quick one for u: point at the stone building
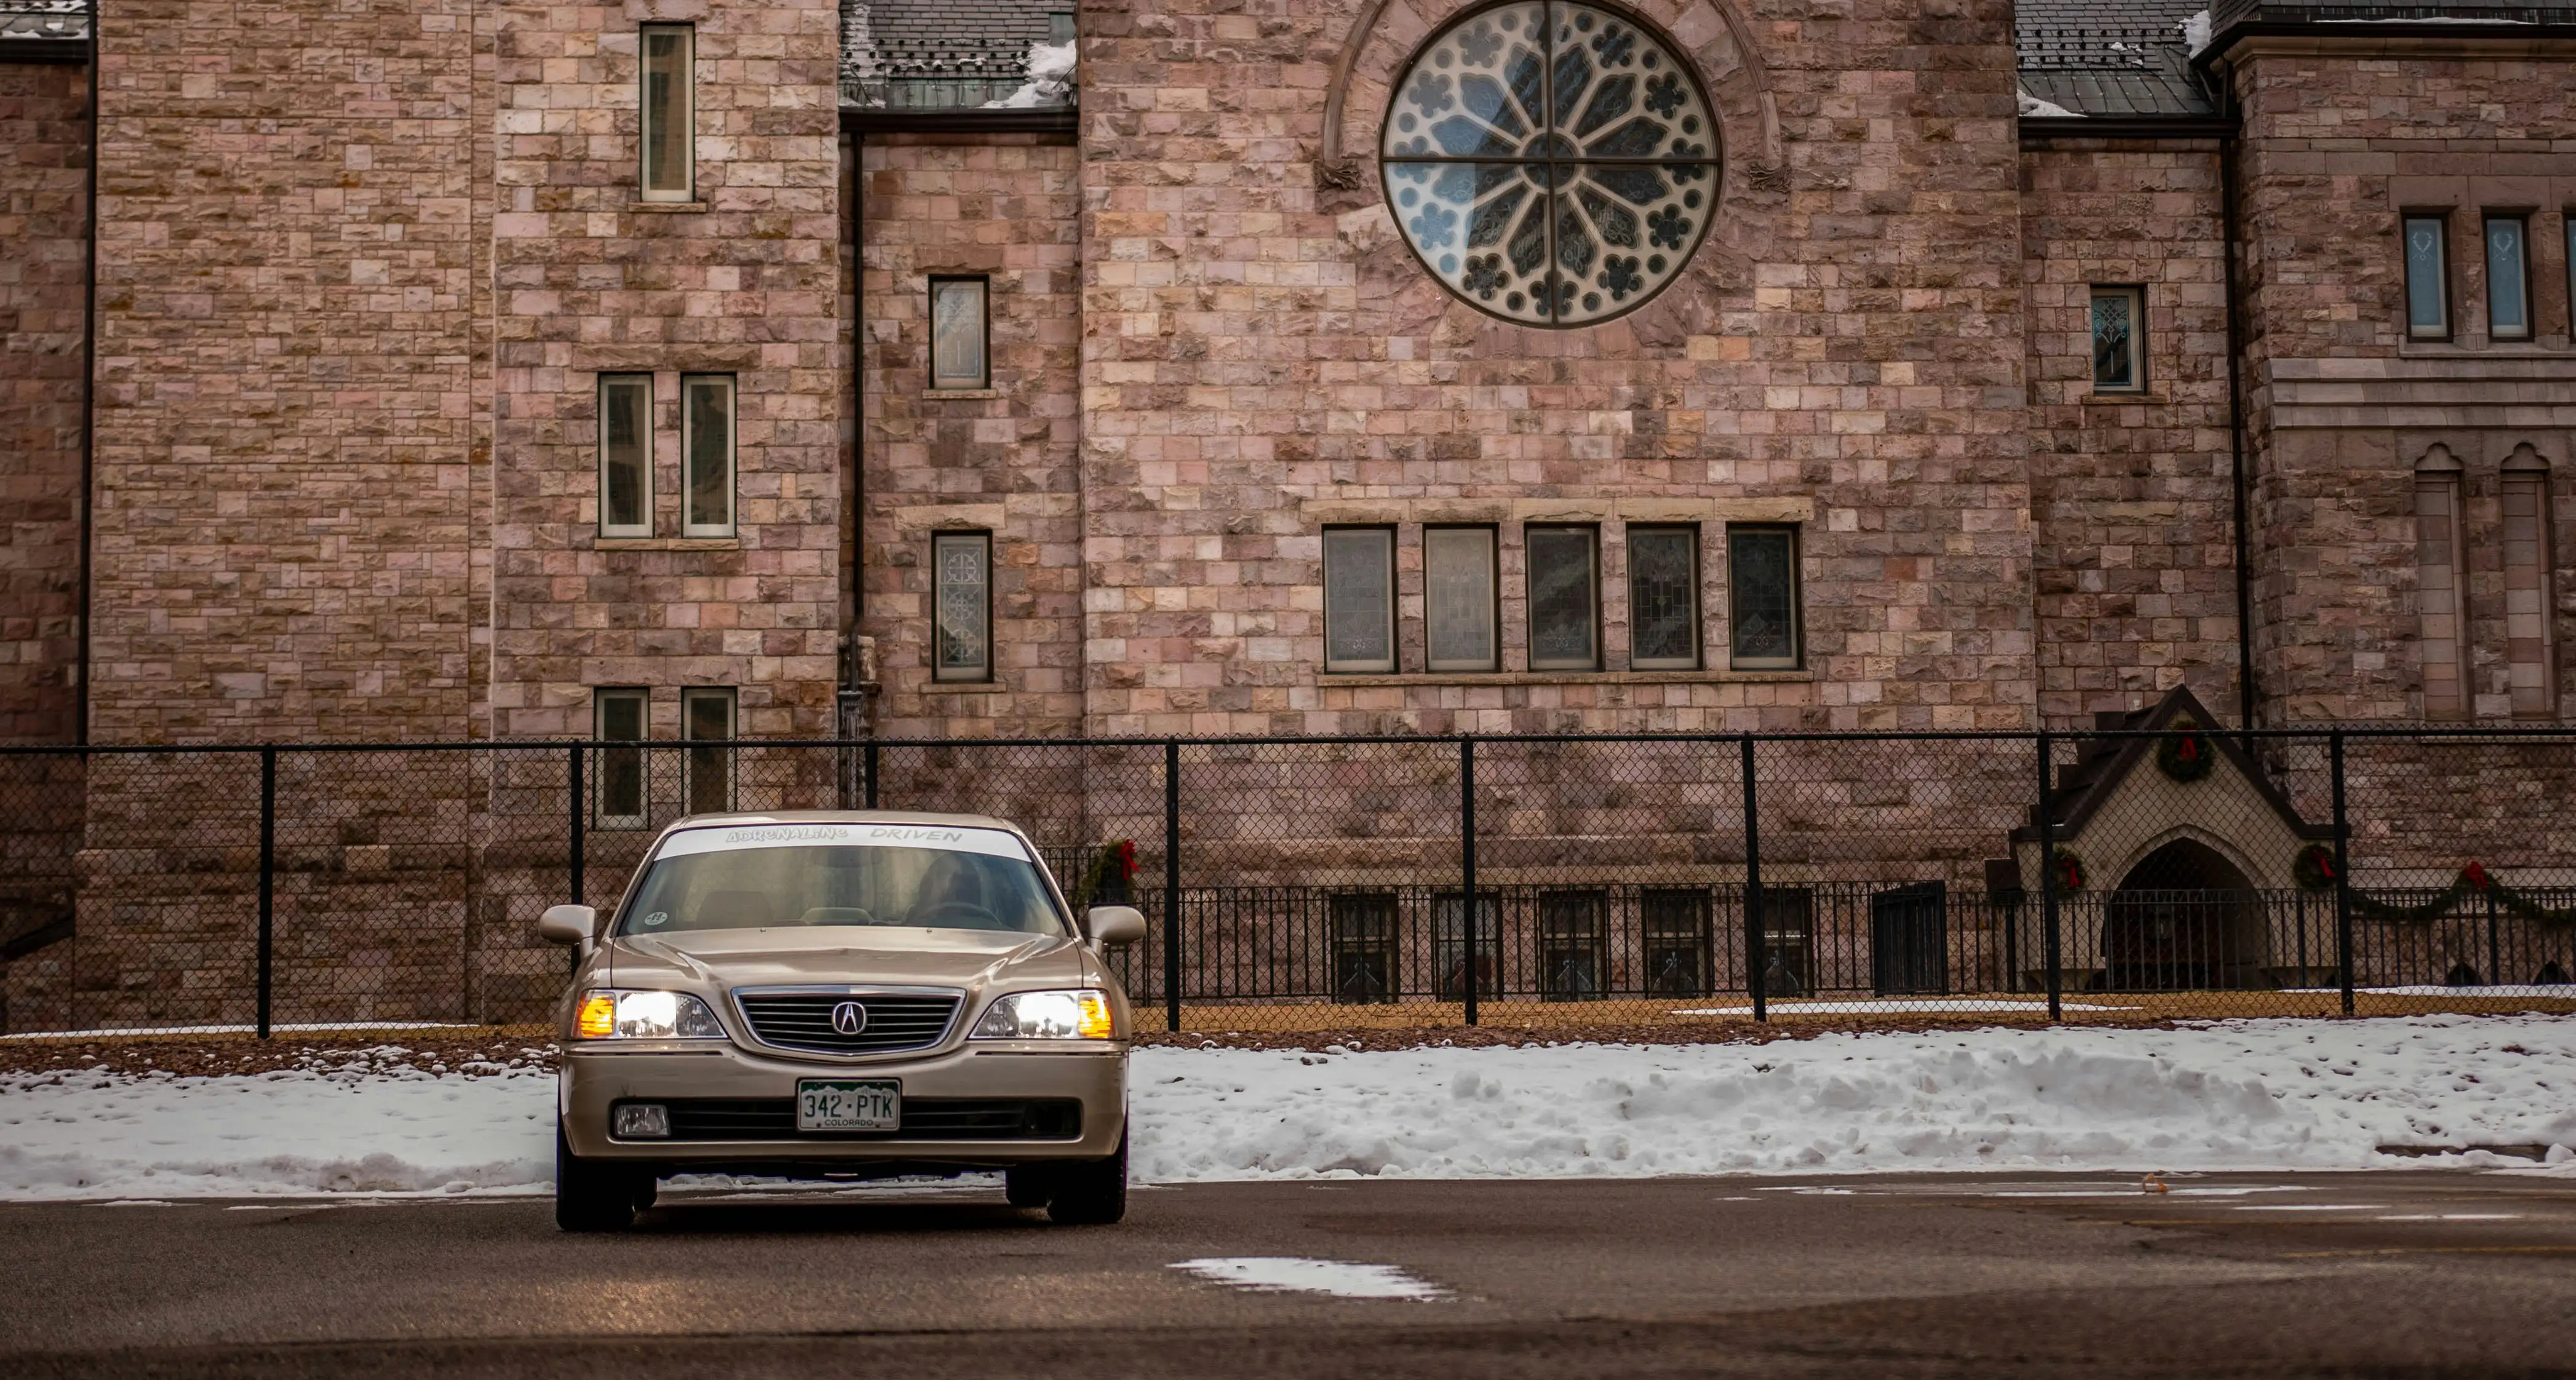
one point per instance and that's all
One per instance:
(459, 372)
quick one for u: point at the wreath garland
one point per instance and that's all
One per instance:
(2070, 869)
(2315, 872)
(1110, 872)
(2185, 755)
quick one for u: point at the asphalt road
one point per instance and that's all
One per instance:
(2278, 1276)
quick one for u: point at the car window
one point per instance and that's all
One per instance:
(755, 888)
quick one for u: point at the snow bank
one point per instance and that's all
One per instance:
(2239, 1095)
(1050, 78)
(2033, 108)
(2195, 32)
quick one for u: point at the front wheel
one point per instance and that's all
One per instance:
(589, 1195)
(1093, 1193)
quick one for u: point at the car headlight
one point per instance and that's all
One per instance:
(1080, 1015)
(609, 1014)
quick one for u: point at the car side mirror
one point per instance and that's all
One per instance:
(1114, 927)
(567, 924)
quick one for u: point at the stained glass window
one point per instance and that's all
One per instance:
(1762, 596)
(2428, 299)
(1552, 163)
(1663, 598)
(962, 573)
(1359, 599)
(2117, 323)
(1564, 601)
(1458, 598)
(2508, 283)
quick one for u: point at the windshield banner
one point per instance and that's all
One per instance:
(950, 838)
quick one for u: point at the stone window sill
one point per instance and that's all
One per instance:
(961, 687)
(1422, 678)
(667, 544)
(960, 394)
(666, 208)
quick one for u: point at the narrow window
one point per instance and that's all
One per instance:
(618, 717)
(707, 441)
(1762, 597)
(2428, 278)
(1674, 925)
(1449, 947)
(1359, 599)
(2441, 581)
(2508, 279)
(1574, 945)
(706, 720)
(1458, 611)
(1564, 598)
(1364, 947)
(2119, 339)
(626, 455)
(2531, 658)
(962, 573)
(1663, 598)
(958, 358)
(2567, 220)
(669, 99)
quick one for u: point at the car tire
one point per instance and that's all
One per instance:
(1092, 1192)
(589, 1195)
(1029, 1186)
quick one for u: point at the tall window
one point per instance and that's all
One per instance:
(958, 334)
(1458, 610)
(706, 719)
(706, 441)
(626, 455)
(618, 716)
(1359, 599)
(961, 566)
(2441, 581)
(669, 100)
(2119, 339)
(1762, 597)
(2508, 279)
(1564, 598)
(2428, 278)
(1663, 598)
(2530, 648)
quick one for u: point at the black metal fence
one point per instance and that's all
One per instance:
(1329, 882)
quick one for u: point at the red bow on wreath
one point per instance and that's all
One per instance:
(1126, 860)
(2476, 872)
(2188, 750)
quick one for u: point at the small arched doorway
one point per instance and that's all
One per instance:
(2185, 917)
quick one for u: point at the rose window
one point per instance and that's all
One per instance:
(1553, 163)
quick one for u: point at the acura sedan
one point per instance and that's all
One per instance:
(842, 994)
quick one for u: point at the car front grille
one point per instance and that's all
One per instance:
(803, 1020)
(924, 1118)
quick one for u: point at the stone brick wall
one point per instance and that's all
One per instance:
(1262, 355)
(2339, 141)
(746, 281)
(285, 393)
(44, 161)
(1000, 459)
(2136, 567)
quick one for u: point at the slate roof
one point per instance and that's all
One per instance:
(2110, 57)
(65, 21)
(940, 53)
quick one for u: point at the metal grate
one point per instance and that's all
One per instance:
(805, 1020)
(924, 1118)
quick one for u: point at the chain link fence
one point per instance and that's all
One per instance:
(1568, 883)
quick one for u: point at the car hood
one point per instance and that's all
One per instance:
(843, 954)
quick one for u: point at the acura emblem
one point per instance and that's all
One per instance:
(849, 1018)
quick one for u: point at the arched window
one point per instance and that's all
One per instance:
(1551, 163)
(2530, 649)
(2441, 583)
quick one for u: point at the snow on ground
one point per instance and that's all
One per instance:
(2275, 1094)
(1275, 1274)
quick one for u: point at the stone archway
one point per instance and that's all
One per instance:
(2184, 918)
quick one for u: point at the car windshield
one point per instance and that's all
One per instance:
(738, 887)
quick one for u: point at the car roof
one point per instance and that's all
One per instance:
(840, 817)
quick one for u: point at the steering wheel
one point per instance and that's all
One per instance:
(958, 915)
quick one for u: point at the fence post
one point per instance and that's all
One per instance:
(2050, 938)
(2343, 873)
(267, 877)
(1753, 972)
(576, 847)
(868, 758)
(2495, 952)
(1467, 861)
(1172, 883)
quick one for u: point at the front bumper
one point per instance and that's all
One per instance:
(595, 1080)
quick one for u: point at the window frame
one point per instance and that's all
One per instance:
(983, 285)
(689, 525)
(2521, 220)
(940, 672)
(1324, 573)
(687, 115)
(1431, 660)
(2136, 295)
(696, 760)
(1698, 657)
(644, 499)
(2406, 221)
(1797, 658)
(1529, 596)
(602, 757)
(2441, 476)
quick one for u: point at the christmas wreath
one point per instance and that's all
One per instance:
(2185, 754)
(2315, 868)
(2070, 869)
(1107, 878)
(2315, 871)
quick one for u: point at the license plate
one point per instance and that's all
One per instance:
(849, 1104)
